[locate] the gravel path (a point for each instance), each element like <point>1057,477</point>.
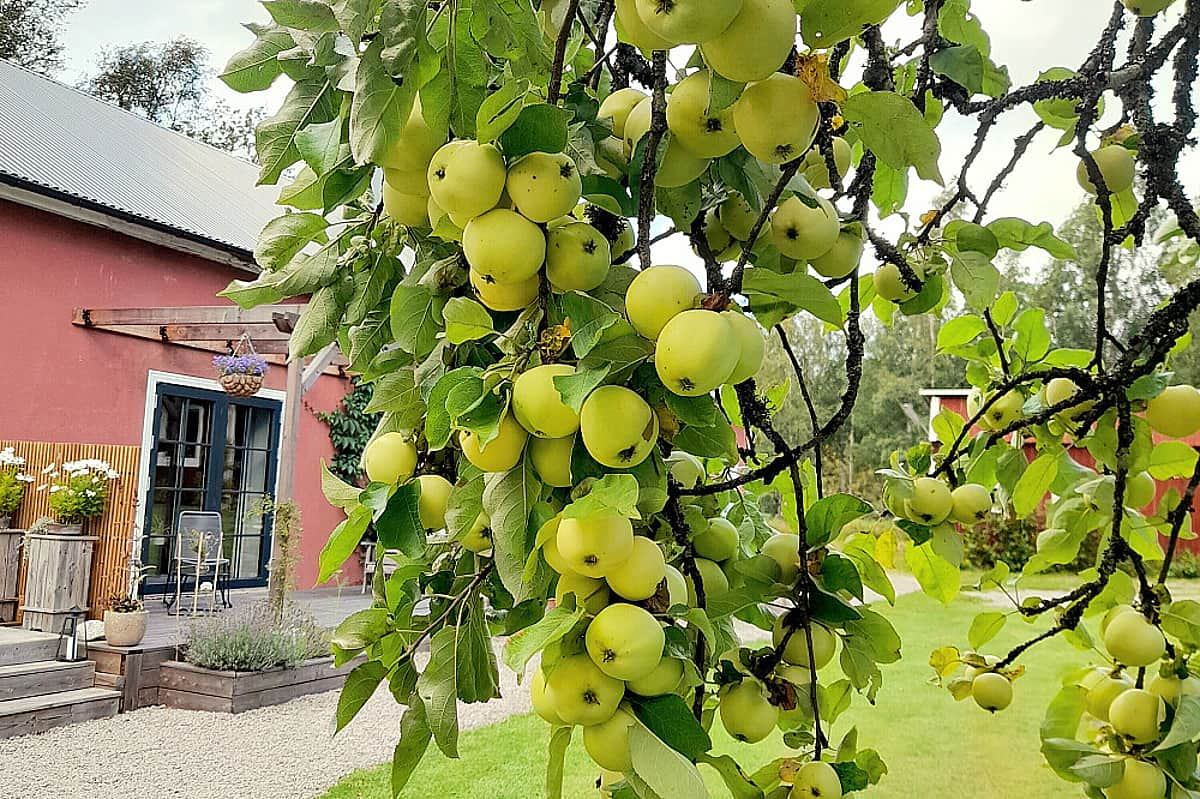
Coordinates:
<point>281,752</point>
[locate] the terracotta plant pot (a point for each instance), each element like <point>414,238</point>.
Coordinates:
<point>59,528</point>
<point>125,629</point>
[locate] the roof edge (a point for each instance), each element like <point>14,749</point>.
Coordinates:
<point>945,392</point>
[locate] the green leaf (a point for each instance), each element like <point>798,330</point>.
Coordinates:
<point>416,319</point>
<point>342,542</point>
<point>510,497</point>
<point>840,574</point>
<point>500,110</point>
<point>414,741</point>
<point>947,425</point>
<point>937,576</point>
<point>337,492</point>
<point>1017,234</point>
<point>1055,547</point>
<point>774,297</point>
<point>892,128</point>
<point>478,678</point>
<point>380,108</point>
<point>256,67</point>
<point>575,388</point>
<point>1172,459</point>
<point>670,718</point>
<point>361,629</point>
<point>360,684</point>
<point>617,493</point>
<point>669,774</point>
<point>466,320</point>
<point>1064,712</point>
<point>309,15</point>
<point>308,102</point>
<point>960,330</point>
<point>973,70</point>
<point>589,318</point>
<point>438,687</point>
<point>985,627</point>
<point>1186,724</point>
<point>1004,308</point>
<point>556,760</point>
<point>976,278</point>
<point>398,394</point>
<point>619,355</point>
<point>318,323</point>
<point>715,441</point>
<point>402,27</point>
<point>399,526</point>
<point>824,23</point>
<point>1034,483</point>
<point>828,515</point>
<point>737,781</point>
<point>438,422</point>
<point>861,550</point>
<point>882,640</point>
<point>539,128</point>
<point>526,643</point>
<point>1182,620</point>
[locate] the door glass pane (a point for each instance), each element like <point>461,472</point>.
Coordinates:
<point>245,479</point>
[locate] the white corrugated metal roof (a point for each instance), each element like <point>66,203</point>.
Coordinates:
<point>60,141</point>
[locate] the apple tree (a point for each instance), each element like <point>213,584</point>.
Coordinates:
<point>474,192</point>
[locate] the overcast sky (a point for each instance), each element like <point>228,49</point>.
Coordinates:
<point>1026,36</point>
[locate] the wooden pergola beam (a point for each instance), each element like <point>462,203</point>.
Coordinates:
<point>195,314</point>
<point>217,331</point>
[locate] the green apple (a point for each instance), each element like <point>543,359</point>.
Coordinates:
<point>501,453</point>
<point>755,44</point>
<point>715,235</point>
<point>581,693</point>
<point>677,587</point>
<point>544,186</point>
<point>737,217</point>
<point>796,652</point>
<point>637,125</point>
<point>784,549</point>
<point>1147,8</point>
<point>1103,691</point>
<point>467,178</point>
<point>1006,410</point>
<point>631,29</point>
<point>665,679</point>
<point>746,712</point>
<point>407,209</point>
<point>678,167</point>
<point>478,538</point>
<point>752,346</point>
<point>1134,641</point>
<point>625,641</point>
<point>596,545</point>
<point>541,702</point>
<point>504,245</point>
<point>578,257</point>
<point>992,691</point>
<point>697,351</point>
<point>552,460</point>
<point>1171,689</point>
<point>703,133</point>
<point>889,284</point>
<point>1116,166</point>
<point>776,118</point>
<point>390,458</point>
<point>686,468</point>
<point>1139,780</point>
<point>712,578</point>
<point>539,407</point>
<point>970,503</point>
<point>657,295</point>
<point>1136,715</point>
<point>1061,389</point>
<point>434,496</point>
<point>1112,613</point>
<point>843,257</point>
<point>816,780</point>
<point>718,542</point>
<point>1175,412</point>
<point>1140,490</point>
<point>591,594</point>
<point>637,578</point>
<point>415,146</point>
<point>616,107</point>
<point>607,743</point>
<point>548,535</point>
<point>687,21</point>
<point>505,296</point>
<point>931,501</point>
<point>619,429</point>
<point>406,182</point>
<point>816,171</point>
<point>805,227</point>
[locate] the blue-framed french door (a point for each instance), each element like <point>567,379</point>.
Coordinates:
<point>211,452</point>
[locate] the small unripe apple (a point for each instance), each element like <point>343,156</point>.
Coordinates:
<point>737,217</point>
<point>552,460</point>
<point>1171,689</point>
<point>1140,490</point>
<point>578,257</point>
<point>544,186</point>
<point>755,44</point>
<point>753,346</point>
<point>591,594</point>
<point>505,296</point>
<point>657,295</point>
<point>816,171</point>
<point>992,691</point>
<point>1134,641</point>
<point>581,693</point>
<point>663,680</point>
<point>390,458</point>
<point>478,538</point>
<point>550,546</point>
<point>1003,412</point>
<point>1061,389</point>
<point>686,468</point>
<point>746,712</point>
<point>416,144</point>
<point>843,257</point>
<point>796,652</point>
<point>1103,691</point>
<point>1136,715</point>
<point>1147,8</point>
<point>616,107</point>
<point>712,578</point>
<point>631,29</point>
<point>637,578</point>
<point>501,453</point>
<point>801,231</point>
<point>431,504</point>
<point>596,545</point>
<point>816,780</point>
<point>931,501</point>
<point>504,245</point>
<point>784,549</point>
<point>1116,166</point>
<point>407,209</point>
<point>776,118</point>
<point>889,284</point>
<point>625,641</point>
<point>619,429</point>
<point>703,133</point>
<point>539,407</point>
<point>607,743</point>
<point>1175,412</point>
<point>697,351</point>
<point>541,703</point>
<point>718,542</point>
<point>687,21</point>
<point>406,182</point>
<point>971,503</point>
<point>467,178</point>
<point>1140,780</point>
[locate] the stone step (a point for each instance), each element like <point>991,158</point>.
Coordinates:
<point>22,680</point>
<point>40,713</point>
<point>26,646</point>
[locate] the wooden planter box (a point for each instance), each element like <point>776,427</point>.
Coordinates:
<point>10,567</point>
<point>189,687</point>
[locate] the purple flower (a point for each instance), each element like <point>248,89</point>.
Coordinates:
<point>240,364</point>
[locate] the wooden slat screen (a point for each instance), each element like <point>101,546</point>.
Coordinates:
<point>110,561</point>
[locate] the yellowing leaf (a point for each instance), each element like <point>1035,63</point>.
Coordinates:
<point>813,69</point>
<point>945,661</point>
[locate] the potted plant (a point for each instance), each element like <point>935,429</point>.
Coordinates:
<point>125,621</point>
<point>13,482</point>
<point>240,375</point>
<point>78,492</point>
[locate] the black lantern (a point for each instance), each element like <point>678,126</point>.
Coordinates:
<point>72,647</point>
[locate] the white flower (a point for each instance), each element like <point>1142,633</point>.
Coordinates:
<point>42,488</point>
<point>48,469</point>
<point>24,478</point>
<point>90,493</point>
<point>55,489</point>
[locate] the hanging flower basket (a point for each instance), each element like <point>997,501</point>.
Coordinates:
<point>241,374</point>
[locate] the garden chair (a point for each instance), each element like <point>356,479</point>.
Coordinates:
<point>370,563</point>
<point>199,553</point>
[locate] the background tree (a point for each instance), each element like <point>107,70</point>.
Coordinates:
<point>30,31</point>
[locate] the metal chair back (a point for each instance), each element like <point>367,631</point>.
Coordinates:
<point>199,537</point>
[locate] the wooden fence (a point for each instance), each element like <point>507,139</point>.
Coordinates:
<point>110,560</point>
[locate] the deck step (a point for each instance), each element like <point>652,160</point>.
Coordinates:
<point>40,713</point>
<point>26,646</point>
<point>23,680</point>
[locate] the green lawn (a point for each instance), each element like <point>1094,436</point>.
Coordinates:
<point>932,745</point>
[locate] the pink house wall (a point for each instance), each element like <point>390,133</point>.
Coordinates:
<point>67,383</point>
